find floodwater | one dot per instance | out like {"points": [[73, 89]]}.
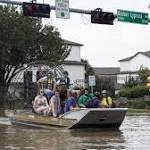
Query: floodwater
{"points": [[133, 134]]}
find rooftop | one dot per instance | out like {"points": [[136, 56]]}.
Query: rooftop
{"points": [[72, 43], [106, 70], [147, 53]]}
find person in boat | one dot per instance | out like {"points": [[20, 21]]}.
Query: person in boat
{"points": [[63, 84], [94, 101], [84, 98], [47, 83], [106, 101], [71, 102], [65, 80], [40, 104], [54, 104]]}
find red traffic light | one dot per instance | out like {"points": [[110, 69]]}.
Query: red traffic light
{"points": [[36, 10], [148, 78], [101, 17]]}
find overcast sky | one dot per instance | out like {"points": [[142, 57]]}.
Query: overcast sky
{"points": [[104, 45]]}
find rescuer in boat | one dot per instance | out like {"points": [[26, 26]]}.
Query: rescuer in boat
{"points": [[106, 101], [48, 83], [40, 104], [65, 80]]}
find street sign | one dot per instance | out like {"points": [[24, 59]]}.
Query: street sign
{"points": [[62, 9], [92, 81], [133, 17]]}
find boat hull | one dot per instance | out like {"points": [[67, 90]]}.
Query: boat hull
{"points": [[79, 118], [99, 118], [32, 120]]}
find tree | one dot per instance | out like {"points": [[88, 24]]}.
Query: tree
{"points": [[88, 70], [131, 82], [24, 40], [143, 73]]}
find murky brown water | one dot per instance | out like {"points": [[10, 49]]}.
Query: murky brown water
{"points": [[134, 134]]}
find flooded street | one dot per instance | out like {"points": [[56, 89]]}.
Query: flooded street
{"points": [[133, 134]]}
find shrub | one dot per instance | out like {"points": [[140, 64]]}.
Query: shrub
{"points": [[134, 92]]}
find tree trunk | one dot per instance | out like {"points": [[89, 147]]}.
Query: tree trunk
{"points": [[3, 87], [3, 94]]}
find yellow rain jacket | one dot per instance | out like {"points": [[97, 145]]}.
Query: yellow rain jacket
{"points": [[106, 102]]}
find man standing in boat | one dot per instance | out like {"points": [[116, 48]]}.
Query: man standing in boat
{"points": [[47, 83], [64, 81], [63, 85]]}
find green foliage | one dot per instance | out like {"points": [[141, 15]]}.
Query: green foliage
{"points": [[88, 68], [131, 82], [143, 73], [134, 92], [24, 40], [134, 88]]}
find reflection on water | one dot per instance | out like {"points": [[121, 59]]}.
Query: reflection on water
{"points": [[134, 134], [19, 138], [136, 130], [4, 121]]}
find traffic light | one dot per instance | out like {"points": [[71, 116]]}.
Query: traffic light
{"points": [[100, 17], [148, 83], [36, 10]]}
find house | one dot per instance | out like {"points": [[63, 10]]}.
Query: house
{"points": [[129, 66], [107, 71], [72, 64]]}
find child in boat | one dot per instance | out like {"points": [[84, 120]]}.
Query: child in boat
{"points": [[40, 104], [54, 104]]}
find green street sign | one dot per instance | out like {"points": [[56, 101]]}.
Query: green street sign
{"points": [[133, 17]]}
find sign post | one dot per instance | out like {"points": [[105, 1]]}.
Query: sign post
{"points": [[133, 17], [62, 9], [92, 82]]}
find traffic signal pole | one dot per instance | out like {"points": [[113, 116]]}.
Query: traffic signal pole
{"points": [[73, 10], [98, 19]]}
